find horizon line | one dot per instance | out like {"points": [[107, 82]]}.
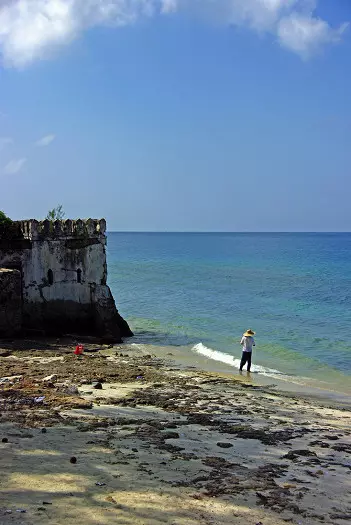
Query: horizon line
{"points": [[231, 232]]}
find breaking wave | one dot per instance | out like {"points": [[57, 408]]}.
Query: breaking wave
{"points": [[230, 360]]}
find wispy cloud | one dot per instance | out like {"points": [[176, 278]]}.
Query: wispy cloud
{"points": [[5, 141], [307, 35], [34, 29], [45, 141], [14, 166]]}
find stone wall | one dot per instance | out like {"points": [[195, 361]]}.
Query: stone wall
{"points": [[10, 302], [64, 274]]}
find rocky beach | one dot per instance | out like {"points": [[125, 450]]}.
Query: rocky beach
{"points": [[119, 436]]}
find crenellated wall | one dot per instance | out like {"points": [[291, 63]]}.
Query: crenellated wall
{"points": [[64, 273], [41, 230]]}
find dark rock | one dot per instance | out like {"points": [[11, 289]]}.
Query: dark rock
{"points": [[73, 460], [170, 435], [170, 448], [43, 430], [294, 454], [224, 445], [318, 443], [4, 440], [97, 386], [170, 425], [343, 447]]}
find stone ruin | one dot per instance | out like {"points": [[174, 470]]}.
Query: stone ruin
{"points": [[53, 278]]}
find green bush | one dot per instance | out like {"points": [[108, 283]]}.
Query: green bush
{"points": [[4, 219], [56, 213], [7, 229]]}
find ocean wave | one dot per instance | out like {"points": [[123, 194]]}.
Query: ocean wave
{"points": [[230, 360]]}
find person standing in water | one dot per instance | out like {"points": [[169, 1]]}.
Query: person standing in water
{"points": [[247, 342]]}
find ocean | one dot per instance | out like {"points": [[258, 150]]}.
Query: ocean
{"points": [[196, 293]]}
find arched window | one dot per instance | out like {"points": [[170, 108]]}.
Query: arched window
{"points": [[79, 275], [50, 277]]}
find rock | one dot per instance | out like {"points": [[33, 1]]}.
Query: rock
{"points": [[134, 450], [97, 385], [197, 496], [5, 353], [224, 445], [73, 460], [4, 440], [170, 435], [319, 443], [147, 429], [50, 379], [43, 430], [294, 454]]}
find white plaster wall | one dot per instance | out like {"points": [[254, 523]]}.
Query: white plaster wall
{"points": [[64, 263]]}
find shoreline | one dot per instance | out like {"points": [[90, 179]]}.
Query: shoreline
{"points": [[185, 358], [161, 442]]}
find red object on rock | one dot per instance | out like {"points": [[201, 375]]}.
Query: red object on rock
{"points": [[79, 350]]}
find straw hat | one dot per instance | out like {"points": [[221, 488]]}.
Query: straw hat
{"points": [[249, 333]]}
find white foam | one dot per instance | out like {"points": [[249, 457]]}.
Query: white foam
{"points": [[232, 361]]}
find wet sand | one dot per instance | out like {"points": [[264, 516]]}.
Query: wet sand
{"points": [[162, 443]]}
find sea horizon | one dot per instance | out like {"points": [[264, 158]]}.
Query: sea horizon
{"points": [[233, 232]]}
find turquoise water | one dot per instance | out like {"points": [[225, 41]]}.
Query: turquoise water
{"points": [[201, 291]]}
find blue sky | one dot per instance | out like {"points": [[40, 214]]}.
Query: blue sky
{"points": [[176, 115]]}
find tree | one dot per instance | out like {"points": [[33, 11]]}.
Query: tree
{"points": [[56, 214], [4, 219], [7, 227]]}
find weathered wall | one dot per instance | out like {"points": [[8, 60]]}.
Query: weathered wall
{"points": [[64, 272], [10, 302]]}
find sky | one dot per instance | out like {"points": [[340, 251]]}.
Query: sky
{"points": [[178, 115]]}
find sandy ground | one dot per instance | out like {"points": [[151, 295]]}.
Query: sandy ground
{"points": [[160, 445]]}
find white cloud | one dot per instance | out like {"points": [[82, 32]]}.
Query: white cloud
{"points": [[34, 29], [4, 142], [306, 35], [14, 166], [45, 141]]}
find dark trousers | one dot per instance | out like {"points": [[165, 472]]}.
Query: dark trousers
{"points": [[246, 358]]}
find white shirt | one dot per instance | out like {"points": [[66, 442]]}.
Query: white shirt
{"points": [[248, 343]]}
